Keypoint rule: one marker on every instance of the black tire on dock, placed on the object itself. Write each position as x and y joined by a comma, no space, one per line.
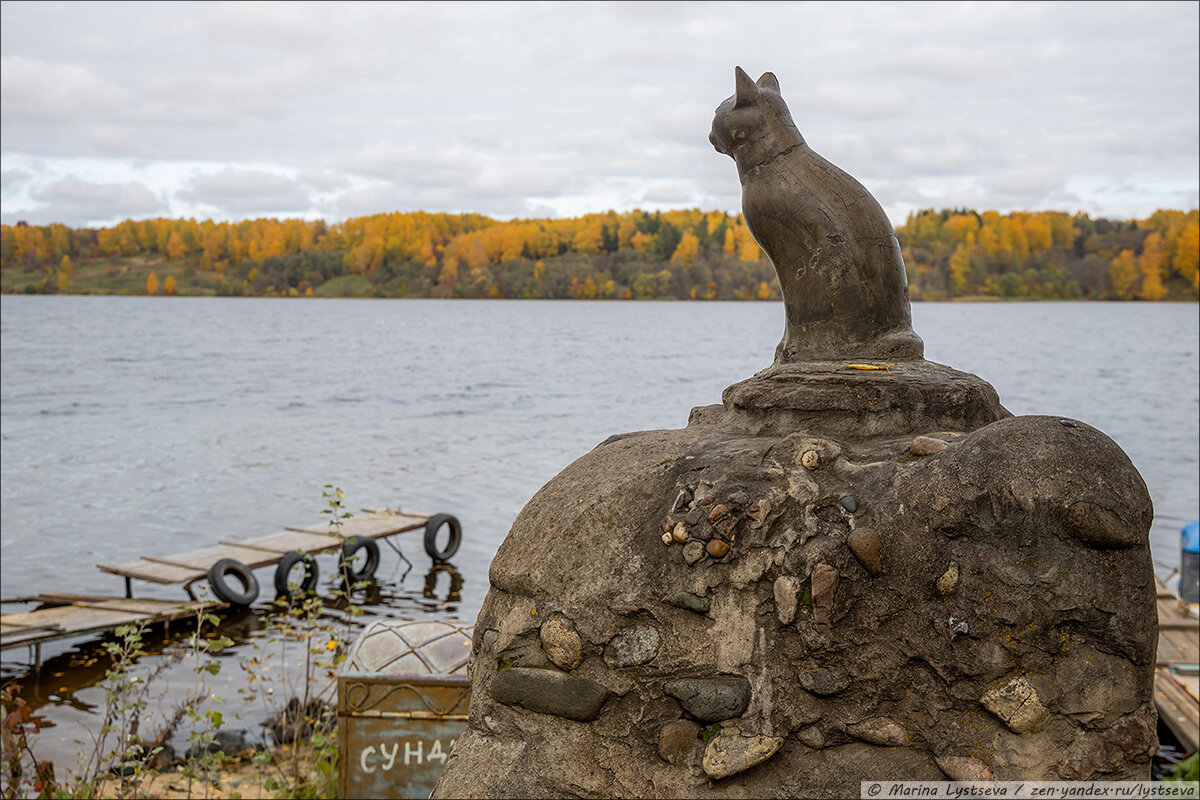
350,548
283,572
431,533
224,591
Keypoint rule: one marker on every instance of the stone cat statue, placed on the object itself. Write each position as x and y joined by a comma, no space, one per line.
836,254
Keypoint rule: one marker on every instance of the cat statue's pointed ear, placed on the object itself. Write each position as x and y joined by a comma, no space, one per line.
769,81
746,92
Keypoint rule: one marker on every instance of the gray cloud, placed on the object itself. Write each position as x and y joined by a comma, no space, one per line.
323,180
381,199
947,62
40,91
1030,185
83,203
245,192
851,99
14,179
504,107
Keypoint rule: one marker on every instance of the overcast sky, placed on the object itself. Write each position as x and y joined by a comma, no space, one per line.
241,110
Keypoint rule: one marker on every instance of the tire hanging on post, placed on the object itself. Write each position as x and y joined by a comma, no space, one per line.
431,532
223,588
283,572
349,549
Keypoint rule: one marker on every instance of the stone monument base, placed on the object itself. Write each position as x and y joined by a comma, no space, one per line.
835,576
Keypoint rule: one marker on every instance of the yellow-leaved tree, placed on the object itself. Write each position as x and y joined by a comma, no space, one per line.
175,246
1187,254
1152,265
169,284
152,284
1124,273
687,248
960,268
64,273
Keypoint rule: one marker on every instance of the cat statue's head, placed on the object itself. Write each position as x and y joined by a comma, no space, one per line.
754,123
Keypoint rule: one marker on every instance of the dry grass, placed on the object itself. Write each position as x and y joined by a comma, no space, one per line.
238,777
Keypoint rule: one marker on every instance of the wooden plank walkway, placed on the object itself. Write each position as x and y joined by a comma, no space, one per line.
71,615
190,566
1177,676
76,615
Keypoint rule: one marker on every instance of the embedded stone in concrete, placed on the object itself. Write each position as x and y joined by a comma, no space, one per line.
717,548
677,739
1133,737
548,691
948,580
561,643
689,601
787,597
758,511
693,551
926,446
824,586
811,737
881,731
730,753
738,499
711,699
1017,704
633,646
964,769
865,544
823,682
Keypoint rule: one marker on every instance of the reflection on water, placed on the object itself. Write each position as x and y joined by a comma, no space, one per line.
454,583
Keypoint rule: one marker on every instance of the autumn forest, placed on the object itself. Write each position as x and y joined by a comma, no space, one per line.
690,254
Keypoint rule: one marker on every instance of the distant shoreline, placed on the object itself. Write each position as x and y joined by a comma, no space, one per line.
683,255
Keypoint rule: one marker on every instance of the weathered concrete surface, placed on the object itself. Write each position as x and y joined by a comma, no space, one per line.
1034,662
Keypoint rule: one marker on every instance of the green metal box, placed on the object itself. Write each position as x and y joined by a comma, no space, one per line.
403,694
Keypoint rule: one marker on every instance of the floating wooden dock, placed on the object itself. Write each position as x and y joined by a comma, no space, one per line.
71,615
1177,676
190,566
